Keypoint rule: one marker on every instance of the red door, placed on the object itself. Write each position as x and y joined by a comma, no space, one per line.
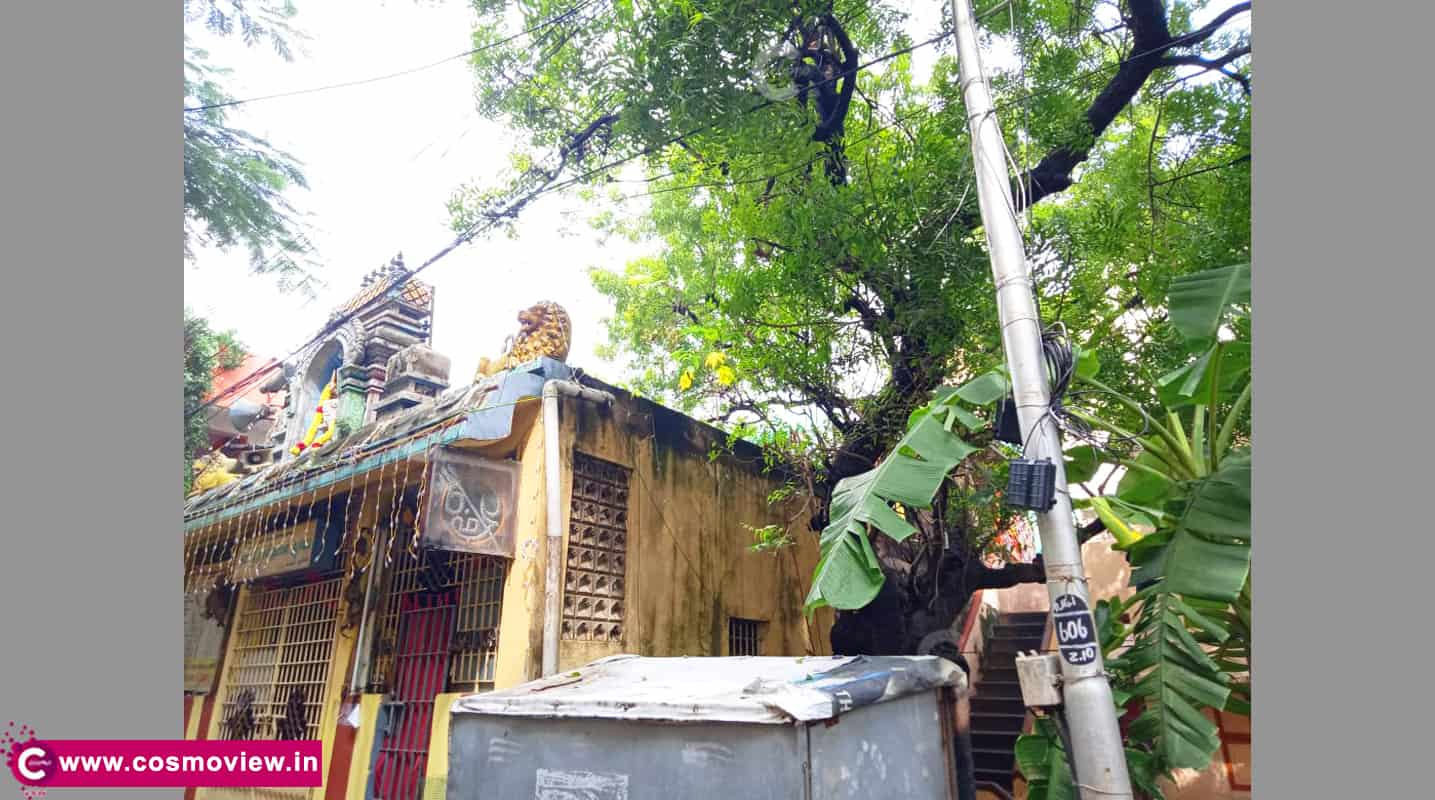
426,623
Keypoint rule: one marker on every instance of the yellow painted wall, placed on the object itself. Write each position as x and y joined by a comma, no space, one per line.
688,566
436,770
688,563
196,710
520,629
339,663
363,746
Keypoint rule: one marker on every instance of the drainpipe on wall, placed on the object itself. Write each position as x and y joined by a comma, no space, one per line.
553,485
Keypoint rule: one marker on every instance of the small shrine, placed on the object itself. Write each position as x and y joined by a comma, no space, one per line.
389,539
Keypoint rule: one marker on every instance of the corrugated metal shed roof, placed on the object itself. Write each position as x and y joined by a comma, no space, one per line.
749,689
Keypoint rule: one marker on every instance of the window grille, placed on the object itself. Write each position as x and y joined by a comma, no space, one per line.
743,637
480,580
597,551
279,665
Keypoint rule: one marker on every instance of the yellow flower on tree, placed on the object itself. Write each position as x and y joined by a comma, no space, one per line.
726,376
685,381
715,360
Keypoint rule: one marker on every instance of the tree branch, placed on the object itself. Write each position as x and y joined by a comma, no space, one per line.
1148,23
1212,168
1215,65
1202,34
832,125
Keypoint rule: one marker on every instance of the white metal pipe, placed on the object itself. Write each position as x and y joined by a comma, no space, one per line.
553,487
1099,759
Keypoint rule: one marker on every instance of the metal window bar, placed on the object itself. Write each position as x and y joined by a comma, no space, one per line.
742,637
480,580
284,641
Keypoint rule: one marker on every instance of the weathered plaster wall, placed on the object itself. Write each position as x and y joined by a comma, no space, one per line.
688,563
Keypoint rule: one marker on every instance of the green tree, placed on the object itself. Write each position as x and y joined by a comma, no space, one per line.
822,270
205,352
235,182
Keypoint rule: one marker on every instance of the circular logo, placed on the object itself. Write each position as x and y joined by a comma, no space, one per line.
781,51
33,763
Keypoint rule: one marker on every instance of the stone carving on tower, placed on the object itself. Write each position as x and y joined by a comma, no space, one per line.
389,314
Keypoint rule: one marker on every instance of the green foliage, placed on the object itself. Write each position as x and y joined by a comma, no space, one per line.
205,351
770,539
840,307
253,22
235,183
848,574
1199,302
1190,641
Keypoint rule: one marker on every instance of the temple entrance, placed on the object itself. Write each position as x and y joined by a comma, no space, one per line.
421,661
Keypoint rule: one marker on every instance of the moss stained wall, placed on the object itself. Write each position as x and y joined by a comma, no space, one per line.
689,566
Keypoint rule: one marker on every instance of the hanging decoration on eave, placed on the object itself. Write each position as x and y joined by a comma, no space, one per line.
469,504
325,414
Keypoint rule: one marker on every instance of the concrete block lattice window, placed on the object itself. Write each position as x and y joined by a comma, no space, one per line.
744,637
593,590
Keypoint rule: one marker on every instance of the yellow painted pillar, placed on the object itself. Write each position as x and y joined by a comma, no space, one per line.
436,771
196,710
216,719
363,746
520,637
341,658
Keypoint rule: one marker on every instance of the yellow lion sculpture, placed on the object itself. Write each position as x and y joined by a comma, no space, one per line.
215,469
544,330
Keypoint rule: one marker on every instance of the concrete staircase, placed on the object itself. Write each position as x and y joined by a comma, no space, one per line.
997,711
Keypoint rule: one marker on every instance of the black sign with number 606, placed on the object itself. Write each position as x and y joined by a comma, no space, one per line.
1075,629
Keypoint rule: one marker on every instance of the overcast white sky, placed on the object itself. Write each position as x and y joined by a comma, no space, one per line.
382,159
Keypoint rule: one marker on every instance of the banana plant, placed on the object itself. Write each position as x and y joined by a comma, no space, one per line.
848,574
1188,648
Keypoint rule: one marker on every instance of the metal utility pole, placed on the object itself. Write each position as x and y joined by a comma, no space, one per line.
1098,757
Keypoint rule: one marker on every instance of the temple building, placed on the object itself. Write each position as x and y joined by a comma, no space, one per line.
393,537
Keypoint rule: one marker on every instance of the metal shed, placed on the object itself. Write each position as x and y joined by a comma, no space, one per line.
747,728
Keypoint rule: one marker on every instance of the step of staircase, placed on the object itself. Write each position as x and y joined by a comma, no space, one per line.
998,722
985,704
999,777
994,759
1034,630
1001,673
1011,647
997,712
991,688
1004,741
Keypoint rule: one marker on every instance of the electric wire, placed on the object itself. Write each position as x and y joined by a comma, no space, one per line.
411,70
493,219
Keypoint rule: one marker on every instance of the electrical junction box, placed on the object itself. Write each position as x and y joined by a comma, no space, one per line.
1031,484
1040,677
